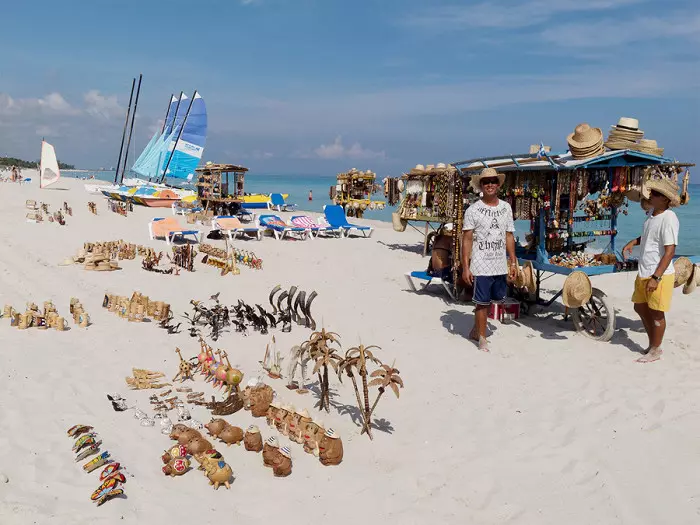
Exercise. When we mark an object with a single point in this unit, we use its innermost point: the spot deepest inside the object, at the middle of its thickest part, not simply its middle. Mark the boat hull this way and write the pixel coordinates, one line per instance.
(154, 203)
(258, 201)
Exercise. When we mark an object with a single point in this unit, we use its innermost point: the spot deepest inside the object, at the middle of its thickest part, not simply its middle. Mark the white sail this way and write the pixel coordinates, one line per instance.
(48, 170)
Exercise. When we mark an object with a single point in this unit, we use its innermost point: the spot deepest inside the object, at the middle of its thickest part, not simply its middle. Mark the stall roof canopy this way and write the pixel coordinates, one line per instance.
(561, 161)
(222, 167)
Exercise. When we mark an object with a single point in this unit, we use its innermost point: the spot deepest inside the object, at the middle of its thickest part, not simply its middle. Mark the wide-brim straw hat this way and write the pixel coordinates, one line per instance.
(666, 186)
(577, 290)
(418, 169)
(683, 269)
(585, 137)
(587, 154)
(475, 181)
(693, 282)
(529, 277)
(649, 146)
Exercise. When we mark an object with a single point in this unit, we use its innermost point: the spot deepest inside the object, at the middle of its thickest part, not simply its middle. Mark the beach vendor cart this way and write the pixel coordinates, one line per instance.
(570, 199)
(353, 191)
(220, 187)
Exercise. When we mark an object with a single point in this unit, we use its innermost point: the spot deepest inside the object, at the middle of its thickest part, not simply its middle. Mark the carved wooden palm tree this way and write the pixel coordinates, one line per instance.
(321, 350)
(384, 377)
(357, 358)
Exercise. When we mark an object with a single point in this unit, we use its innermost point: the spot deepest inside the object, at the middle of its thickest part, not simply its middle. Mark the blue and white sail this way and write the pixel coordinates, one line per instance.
(167, 124)
(186, 150)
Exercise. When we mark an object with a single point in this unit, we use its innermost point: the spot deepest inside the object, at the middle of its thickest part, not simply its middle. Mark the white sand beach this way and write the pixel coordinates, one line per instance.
(548, 428)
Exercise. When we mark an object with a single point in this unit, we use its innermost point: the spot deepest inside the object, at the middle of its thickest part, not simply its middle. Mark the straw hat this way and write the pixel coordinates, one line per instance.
(253, 429)
(486, 173)
(577, 289)
(585, 141)
(286, 452)
(693, 281)
(332, 434)
(627, 128)
(683, 269)
(649, 146)
(441, 165)
(529, 277)
(667, 187)
(418, 169)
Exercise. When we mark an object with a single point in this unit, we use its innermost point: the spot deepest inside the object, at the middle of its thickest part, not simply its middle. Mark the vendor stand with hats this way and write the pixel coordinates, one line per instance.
(353, 192)
(571, 199)
(220, 187)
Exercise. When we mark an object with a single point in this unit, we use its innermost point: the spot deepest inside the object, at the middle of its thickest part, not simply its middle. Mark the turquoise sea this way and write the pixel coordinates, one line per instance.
(298, 186)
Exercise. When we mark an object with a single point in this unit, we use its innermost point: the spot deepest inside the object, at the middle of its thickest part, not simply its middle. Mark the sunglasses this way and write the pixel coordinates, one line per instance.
(485, 182)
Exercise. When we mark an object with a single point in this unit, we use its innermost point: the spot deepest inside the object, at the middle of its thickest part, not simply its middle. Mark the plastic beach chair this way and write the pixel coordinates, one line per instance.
(427, 281)
(277, 202)
(233, 227)
(335, 215)
(314, 229)
(279, 228)
(169, 228)
(178, 209)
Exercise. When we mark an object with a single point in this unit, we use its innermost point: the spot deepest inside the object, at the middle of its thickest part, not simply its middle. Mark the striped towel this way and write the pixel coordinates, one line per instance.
(304, 221)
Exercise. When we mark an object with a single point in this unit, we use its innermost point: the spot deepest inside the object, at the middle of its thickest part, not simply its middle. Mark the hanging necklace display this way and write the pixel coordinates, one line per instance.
(457, 219)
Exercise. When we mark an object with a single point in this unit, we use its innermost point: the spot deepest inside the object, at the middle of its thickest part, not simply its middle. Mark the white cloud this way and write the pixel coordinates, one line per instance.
(338, 151)
(102, 106)
(53, 103)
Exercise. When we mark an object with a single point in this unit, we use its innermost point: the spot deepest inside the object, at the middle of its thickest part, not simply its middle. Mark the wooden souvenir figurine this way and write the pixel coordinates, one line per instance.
(282, 466)
(188, 435)
(252, 439)
(260, 399)
(185, 369)
(207, 457)
(271, 411)
(178, 451)
(304, 419)
(271, 450)
(177, 430)
(292, 423)
(198, 445)
(231, 435)
(215, 426)
(219, 473)
(330, 449)
(176, 467)
(312, 436)
(281, 419)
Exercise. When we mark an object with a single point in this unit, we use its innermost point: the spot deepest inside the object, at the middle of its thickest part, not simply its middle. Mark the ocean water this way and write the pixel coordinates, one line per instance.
(297, 186)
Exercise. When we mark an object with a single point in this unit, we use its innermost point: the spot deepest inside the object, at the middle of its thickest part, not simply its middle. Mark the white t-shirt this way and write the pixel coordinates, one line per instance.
(490, 224)
(659, 231)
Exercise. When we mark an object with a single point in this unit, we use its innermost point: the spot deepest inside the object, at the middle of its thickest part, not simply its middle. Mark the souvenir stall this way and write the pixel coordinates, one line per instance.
(570, 200)
(220, 187)
(353, 192)
(429, 197)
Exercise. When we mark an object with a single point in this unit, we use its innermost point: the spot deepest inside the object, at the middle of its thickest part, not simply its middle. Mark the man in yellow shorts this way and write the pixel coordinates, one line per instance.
(653, 287)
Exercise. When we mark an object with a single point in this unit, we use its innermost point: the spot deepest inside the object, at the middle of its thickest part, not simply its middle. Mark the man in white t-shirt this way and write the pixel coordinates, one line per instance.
(487, 237)
(653, 287)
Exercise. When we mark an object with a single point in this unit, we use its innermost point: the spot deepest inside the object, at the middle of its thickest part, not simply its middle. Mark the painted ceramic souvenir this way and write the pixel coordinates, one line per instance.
(219, 473)
(207, 457)
(84, 441)
(312, 435)
(103, 489)
(231, 435)
(178, 451)
(304, 420)
(330, 449)
(198, 445)
(177, 430)
(215, 426)
(271, 450)
(96, 462)
(260, 399)
(188, 435)
(176, 467)
(291, 423)
(89, 451)
(109, 469)
(109, 495)
(281, 419)
(233, 379)
(282, 466)
(76, 430)
(252, 439)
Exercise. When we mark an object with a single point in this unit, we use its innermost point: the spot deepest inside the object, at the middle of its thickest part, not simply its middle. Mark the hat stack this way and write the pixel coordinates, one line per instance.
(624, 135)
(585, 142)
(649, 146)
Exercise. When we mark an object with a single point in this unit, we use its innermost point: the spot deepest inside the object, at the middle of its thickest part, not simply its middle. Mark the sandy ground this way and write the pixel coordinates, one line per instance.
(548, 428)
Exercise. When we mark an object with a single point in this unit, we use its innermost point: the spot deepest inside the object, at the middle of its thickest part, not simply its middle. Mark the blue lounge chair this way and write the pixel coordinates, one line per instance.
(279, 228)
(232, 227)
(277, 202)
(429, 279)
(335, 215)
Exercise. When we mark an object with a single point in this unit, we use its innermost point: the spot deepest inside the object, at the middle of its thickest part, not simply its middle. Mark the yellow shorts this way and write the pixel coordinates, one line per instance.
(659, 299)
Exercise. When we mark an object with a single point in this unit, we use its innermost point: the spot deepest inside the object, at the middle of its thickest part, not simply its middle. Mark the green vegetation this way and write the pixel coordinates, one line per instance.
(7, 162)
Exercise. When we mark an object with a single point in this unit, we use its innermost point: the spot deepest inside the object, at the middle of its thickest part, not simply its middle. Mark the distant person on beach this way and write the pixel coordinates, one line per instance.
(15, 174)
(486, 239)
(311, 195)
(653, 286)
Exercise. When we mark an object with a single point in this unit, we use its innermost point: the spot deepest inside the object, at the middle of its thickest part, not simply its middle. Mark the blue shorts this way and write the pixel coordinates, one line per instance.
(489, 289)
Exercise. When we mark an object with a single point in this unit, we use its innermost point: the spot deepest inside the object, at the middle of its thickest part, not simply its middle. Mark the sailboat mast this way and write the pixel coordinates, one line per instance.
(167, 112)
(179, 134)
(177, 108)
(131, 130)
(126, 122)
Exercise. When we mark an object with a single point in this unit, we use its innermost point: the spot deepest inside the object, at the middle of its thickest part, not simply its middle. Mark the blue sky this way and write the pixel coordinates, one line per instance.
(320, 86)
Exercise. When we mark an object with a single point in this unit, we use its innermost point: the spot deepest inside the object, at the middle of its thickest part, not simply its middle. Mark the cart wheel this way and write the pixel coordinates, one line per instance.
(596, 318)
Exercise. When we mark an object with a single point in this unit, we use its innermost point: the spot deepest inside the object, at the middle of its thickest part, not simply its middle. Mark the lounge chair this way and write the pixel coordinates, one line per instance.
(277, 202)
(314, 229)
(335, 215)
(429, 279)
(279, 228)
(233, 227)
(169, 228)
(178, 209)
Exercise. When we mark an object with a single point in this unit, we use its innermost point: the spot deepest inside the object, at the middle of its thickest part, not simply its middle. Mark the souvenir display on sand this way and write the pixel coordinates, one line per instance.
(145, 379)
(96, 462)
(176, 467)
(178, 451)
(33, 317)
(321, 349)
(184, 437)
(137, 308)
(270, 451)
(259, 399)
(281, 419)
(76, 430)
(197, 445)
(292, 423)
(177, 430)
(231, 435)
(297, 308)
(215, 426)
(219, 473)
(89, 451)
(330, 448)
(271, 412)
(92, 207)
(272, 361)
(183, 256)
(206, 458)
(384, 377)
(282, 463)
(184, 369)
(356, 360)
(252, 439)
(219, 258)
(312, 437)
(302, 420)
